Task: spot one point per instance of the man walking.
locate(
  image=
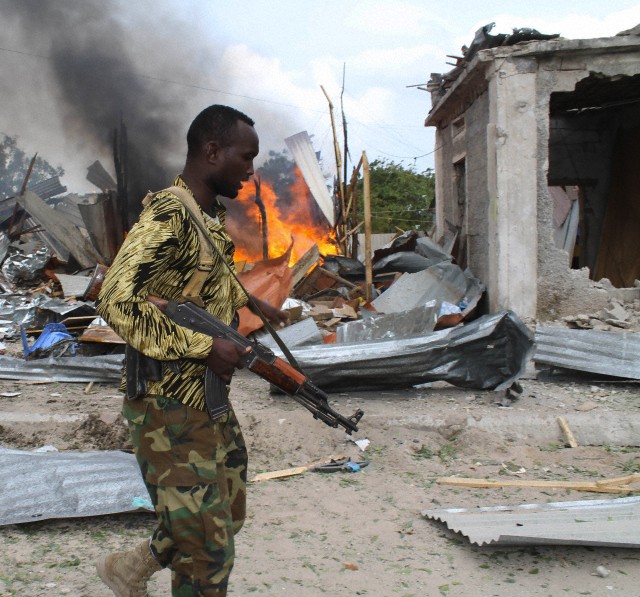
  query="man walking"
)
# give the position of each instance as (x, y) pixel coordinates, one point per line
(194, 467)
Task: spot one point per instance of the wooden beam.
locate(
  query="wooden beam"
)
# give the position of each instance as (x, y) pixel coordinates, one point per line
(568, 434)
(368, 268)
(595, 486)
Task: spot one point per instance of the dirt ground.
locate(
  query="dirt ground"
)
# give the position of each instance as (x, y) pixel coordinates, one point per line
(350, 533)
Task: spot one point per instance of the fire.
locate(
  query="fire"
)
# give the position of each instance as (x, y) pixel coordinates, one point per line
(296, 220)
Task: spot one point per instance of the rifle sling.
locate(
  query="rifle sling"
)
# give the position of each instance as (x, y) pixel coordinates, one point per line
(194, 286)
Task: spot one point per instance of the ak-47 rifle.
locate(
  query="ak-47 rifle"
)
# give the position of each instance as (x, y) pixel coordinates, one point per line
(261, 361)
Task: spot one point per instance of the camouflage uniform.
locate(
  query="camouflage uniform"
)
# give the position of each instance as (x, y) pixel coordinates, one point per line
(194, 468)
(195, 472)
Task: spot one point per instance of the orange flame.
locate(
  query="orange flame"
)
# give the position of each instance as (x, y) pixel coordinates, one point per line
(299, 221)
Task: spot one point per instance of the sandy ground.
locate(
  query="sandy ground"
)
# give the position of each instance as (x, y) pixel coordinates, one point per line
(352, 533)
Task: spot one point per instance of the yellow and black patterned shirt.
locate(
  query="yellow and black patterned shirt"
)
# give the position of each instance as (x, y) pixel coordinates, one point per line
(158, 257)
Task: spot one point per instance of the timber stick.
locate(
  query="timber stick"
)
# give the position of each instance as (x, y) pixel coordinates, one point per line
(576, 485)
(368, 269)
(626, 480)
(568, 434)
(338, 157)
(337, 278)
(290, 472)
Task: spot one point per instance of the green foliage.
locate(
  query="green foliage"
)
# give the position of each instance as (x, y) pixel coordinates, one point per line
(401, 197)
(14, 164)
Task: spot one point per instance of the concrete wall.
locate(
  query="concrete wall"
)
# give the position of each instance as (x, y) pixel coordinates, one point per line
(477, 193)
(562, 291)
(507, 146)
(513, 247)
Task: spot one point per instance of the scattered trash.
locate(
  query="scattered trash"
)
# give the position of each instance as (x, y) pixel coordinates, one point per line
(297, 470)
(587, 406)
(54, 340)
(568, 434)
(602, 572)
(363, 444)
(341, 464)
(350, 566)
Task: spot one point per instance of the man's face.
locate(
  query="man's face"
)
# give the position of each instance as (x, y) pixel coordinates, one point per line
(234, 162)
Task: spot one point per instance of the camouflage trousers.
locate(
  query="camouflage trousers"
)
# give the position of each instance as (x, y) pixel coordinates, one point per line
(195, 471)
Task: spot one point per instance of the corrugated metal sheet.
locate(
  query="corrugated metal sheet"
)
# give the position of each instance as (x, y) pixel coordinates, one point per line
(594, 351)
(612, 523)
(442, 281)
(378, 241)
(47, 188)
(305, 157)
(488, 353)
(68, 484)
(101, 369)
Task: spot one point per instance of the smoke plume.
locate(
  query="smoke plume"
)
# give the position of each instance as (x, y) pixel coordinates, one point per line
(110, 61)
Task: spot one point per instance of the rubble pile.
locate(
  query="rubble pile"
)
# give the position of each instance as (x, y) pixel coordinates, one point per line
(618, 315)
(420, 324)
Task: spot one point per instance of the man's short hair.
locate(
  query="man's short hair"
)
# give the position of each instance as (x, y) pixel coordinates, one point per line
(214, 124)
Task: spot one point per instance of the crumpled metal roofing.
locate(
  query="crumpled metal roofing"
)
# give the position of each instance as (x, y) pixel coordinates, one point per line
(612, 523)
(593, 351)
(46, 485)
(489, 353)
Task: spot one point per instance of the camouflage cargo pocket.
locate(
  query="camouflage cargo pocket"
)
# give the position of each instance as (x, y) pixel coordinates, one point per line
(176, 445)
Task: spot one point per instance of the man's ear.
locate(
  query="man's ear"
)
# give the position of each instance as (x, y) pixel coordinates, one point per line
(212, 151)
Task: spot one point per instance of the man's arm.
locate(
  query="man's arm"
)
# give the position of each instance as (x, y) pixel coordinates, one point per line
(153, 247)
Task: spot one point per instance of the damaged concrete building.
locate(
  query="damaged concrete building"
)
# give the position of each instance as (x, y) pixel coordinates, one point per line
(536, 167)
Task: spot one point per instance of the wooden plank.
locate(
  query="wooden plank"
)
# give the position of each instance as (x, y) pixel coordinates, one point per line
(64, 232)
(101, 333)
(568, 434)
(296, 470)
(304, 264)
(368, 268)
(576, 485)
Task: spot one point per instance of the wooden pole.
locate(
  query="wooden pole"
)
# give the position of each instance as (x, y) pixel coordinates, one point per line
(338, 156)
(351, 199)
(367, 228)
(263, 219)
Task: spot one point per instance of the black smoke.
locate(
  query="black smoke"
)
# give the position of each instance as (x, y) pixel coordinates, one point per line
(96, 84)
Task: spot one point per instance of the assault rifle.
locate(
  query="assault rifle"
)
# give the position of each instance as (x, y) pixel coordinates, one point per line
(261, 361)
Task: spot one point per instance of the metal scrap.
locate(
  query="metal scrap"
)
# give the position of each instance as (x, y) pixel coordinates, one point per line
(100, 369)
(614, 354)
(68, 485)
(610, 523)
(488, 353)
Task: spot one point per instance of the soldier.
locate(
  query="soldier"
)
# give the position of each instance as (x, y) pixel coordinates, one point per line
(194, 468)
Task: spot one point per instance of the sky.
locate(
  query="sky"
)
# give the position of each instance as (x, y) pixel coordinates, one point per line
(269, 58)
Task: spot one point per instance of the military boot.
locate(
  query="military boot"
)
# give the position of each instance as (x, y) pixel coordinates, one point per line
(126, 572)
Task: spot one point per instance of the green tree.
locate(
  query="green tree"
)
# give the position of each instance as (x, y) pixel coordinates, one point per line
(14, 164)
(401, 197)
